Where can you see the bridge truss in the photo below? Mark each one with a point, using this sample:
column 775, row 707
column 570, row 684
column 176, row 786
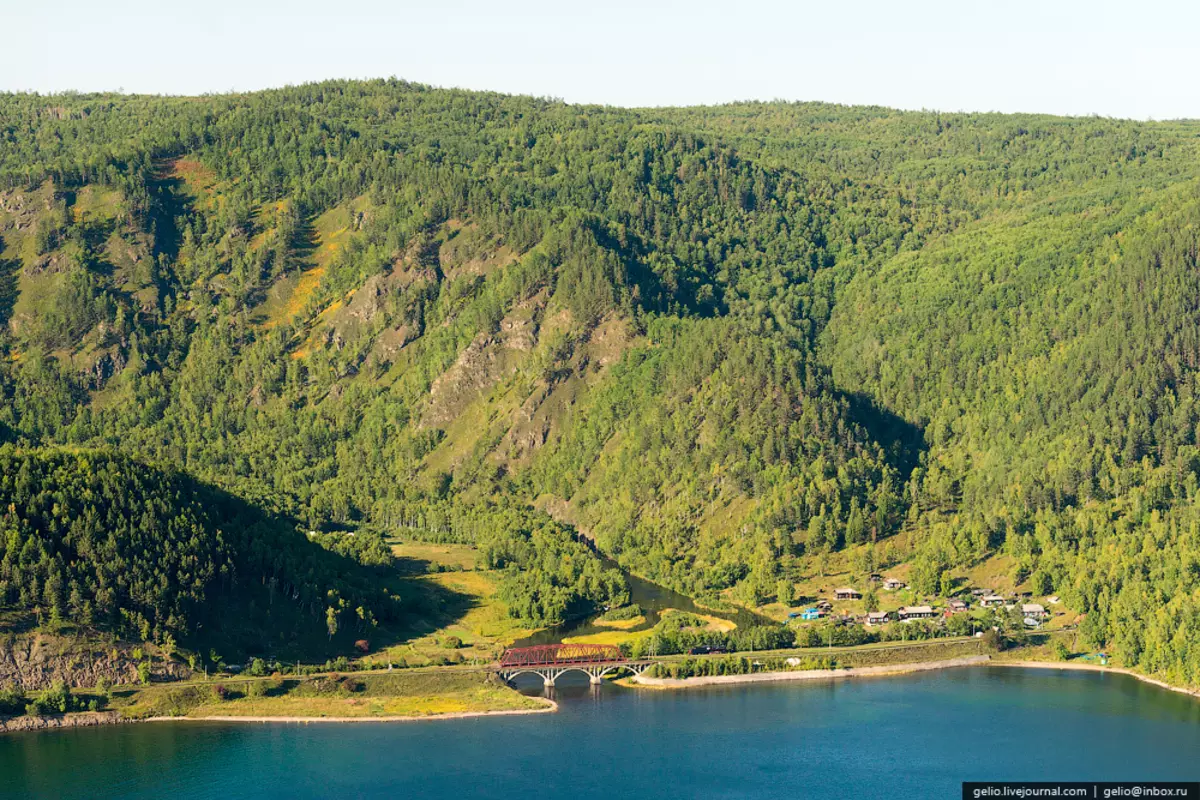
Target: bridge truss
column 550, row 661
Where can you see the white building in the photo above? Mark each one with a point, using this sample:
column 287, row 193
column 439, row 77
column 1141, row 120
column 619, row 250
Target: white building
column 1033, row 610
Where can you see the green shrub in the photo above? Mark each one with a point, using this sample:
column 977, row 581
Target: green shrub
column 12, row 701
column 175, row 702
column 994, row 640
column 56, row 700
column 631, row 611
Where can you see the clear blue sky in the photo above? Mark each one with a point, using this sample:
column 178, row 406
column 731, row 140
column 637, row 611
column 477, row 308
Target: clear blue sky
column 1126, row 59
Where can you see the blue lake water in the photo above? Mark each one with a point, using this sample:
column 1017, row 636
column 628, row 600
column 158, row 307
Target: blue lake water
column 916, row 736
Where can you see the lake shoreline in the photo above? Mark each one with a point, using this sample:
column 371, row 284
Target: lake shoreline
column 549, row 707
column 91, row 719
column 809, row 674
column 1066, row 665
column 643, row 681
column 80, row 719
column 757, row 733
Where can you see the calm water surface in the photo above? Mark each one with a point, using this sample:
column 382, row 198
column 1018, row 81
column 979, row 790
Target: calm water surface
column 916, row 736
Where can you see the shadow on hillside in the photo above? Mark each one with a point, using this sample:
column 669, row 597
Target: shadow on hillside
column 430, row 607
column 14, row 620
column 902, row 440
column 302, row 249
column 276, row 604
column 168, row 200
column 9, row 270
column 95, row 235
column 407, row 565
column 649, row 291
column 303, row 245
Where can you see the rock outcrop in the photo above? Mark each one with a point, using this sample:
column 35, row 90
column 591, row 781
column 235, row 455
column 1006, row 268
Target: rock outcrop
column 84, row 720
column 35, row 661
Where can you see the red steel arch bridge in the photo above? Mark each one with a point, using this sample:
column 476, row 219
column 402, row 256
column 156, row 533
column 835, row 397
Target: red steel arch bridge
column 549, row 661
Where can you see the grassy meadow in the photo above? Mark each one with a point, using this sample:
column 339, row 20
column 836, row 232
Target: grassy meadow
column 397, row 694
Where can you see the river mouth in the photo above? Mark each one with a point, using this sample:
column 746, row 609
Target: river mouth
column 654, row 600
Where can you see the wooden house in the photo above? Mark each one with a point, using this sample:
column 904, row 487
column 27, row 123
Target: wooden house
column 916, row 612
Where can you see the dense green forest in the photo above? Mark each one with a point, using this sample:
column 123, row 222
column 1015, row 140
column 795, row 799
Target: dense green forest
column 722, row 343
column 98, row 540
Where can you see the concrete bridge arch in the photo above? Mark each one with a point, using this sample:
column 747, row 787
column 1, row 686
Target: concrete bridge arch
column 550, row 662
column 550, row 674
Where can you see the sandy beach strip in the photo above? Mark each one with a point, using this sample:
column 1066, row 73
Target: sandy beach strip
column 895, row 669
column 549, row 707
column 812, row 674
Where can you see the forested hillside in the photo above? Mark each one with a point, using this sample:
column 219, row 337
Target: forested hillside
column 723, row 343
column 97, row 540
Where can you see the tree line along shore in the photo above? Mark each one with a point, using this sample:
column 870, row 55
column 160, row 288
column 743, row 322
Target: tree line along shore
column 463, row 691
column 750, row 352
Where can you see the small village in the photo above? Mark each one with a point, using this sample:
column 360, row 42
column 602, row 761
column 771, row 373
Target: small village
column 889, row 600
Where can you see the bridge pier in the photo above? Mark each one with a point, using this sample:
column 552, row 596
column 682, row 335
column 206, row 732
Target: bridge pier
column 596, row 674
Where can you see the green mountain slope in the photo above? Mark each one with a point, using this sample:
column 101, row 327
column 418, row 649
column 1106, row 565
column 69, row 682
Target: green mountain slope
column 99, row 540
column 730, row 345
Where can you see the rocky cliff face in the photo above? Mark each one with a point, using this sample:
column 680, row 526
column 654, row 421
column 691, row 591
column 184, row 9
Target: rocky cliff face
column 35, row 661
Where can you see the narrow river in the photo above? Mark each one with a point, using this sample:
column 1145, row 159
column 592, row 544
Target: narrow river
column 653, row 599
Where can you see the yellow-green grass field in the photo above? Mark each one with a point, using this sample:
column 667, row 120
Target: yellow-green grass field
column 331, row 231
column 609, row 637
column 488, row 617
column 399, row 694
column 468, row 623
column 621, row 632
column 718, row 624
column 454, row 556
column 621, row 624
